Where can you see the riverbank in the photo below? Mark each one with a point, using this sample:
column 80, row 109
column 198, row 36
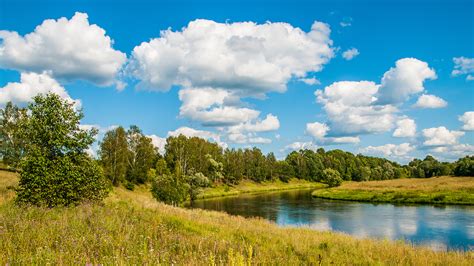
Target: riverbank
column 249, row 187
column 130, row 227
column 436, row 190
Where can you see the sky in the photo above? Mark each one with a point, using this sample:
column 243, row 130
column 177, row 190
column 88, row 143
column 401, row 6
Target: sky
column 383, row 78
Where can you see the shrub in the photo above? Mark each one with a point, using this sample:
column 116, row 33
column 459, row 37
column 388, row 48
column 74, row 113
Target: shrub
column 169, row 189
column 56, row 171
column 332, row 177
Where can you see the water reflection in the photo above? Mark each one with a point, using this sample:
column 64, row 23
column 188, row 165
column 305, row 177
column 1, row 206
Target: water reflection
column 440, row 227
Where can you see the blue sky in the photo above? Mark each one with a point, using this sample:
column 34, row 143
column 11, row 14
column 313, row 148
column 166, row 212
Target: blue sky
column 428, row 34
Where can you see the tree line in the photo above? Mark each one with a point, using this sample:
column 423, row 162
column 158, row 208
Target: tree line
column 47, row 145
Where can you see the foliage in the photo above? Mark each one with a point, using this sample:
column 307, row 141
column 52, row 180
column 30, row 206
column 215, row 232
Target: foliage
column 331, row 177
column 56, row 169
column 464, row 166
column 12, row 143
column 170, row 189
column 113, row 154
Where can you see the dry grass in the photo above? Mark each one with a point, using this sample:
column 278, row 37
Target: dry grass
column 132, row 228
column 8, row 181
column 439, row 190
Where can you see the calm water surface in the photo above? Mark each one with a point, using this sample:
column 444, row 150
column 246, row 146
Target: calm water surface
column 440, row 227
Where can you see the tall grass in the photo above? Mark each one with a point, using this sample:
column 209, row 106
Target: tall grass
column 435, row 190
column 130, row 227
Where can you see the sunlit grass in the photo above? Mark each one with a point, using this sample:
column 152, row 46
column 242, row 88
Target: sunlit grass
column 253, row 187
column 437, row 190
column 133, row 228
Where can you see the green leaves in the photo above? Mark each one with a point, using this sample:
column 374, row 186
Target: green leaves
column 56, row 171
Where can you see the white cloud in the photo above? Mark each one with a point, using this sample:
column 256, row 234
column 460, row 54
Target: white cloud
column 463, row 66
column 346, row 22
column 296, row 146
column 249, row 138
column 310, row 81
column 270, row 123
column 243, row 56
column 404, row 80
column 214, row 107
column 350, row 53
column 389, row 150
column 30, row 85
column 430, row 101
column 468, row 119
column 158, row 142
column 454, row 152
column 441, row 136
column 319, row 131
column 406, row 127
column 67, row 49
column 350, row 108
column 191, row 132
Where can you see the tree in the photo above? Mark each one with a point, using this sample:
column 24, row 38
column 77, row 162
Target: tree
column 169, row 189
column 464, row 166
column 113, row 155
column 196, row 182
column 12, row 144
column 332, row 177
column 56, row 169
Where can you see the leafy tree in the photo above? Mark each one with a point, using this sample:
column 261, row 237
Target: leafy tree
column 169, row 189
column 12, row 143
column 196, row 182
column 56, row 169
column 114, row 154
column 332, row 177
column 464, row 166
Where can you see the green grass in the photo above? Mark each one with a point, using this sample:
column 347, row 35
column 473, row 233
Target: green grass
column 436, row 190
column 245, row 187
column 130, row 227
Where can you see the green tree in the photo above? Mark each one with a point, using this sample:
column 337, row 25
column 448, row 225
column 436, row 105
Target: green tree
column 169, row 189
column 12, row 143
column 332, row 177
column 464, row 166
column 113, row 155
column 56, row 169
column 141, row 155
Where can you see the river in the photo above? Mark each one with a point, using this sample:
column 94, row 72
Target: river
column 439, row 227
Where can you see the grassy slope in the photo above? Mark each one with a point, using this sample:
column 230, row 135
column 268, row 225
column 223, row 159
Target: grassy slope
column 437, row 190
column 131, row 227
column 252, row 187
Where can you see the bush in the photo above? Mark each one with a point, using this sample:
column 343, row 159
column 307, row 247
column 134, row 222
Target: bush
column 169, row 189
column 332, row 177
column 56, row 171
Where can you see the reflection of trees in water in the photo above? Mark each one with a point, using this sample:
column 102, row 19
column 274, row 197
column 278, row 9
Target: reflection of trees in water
column 439, row 226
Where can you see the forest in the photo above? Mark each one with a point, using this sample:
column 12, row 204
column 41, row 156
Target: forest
column 46, row 140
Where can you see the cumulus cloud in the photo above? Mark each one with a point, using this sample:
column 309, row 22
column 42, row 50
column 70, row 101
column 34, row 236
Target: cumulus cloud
column 66, row 49
column 463, row 66
column 468, row 119
column 244, row 56
column 350, row 53
column 430, row 101
column 158, row 142
column 191, row 132
column 406, row 127
column 30, row 85
column 441, row 136
column 350, row 108
column 214, row 107
column 249, row 138
column 454, row 152
column 296, row 146
column 310, row 81
column 364, row 107
column 389, row 150
column 404, row 80
column 319, row 131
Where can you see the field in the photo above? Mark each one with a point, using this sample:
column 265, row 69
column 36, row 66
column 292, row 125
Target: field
column 436, row 190
column 252, row 187
column 130, row 227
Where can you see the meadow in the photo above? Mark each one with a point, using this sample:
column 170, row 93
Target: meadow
column 132, row 227
column 435, row 190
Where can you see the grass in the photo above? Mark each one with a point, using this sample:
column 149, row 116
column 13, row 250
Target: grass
column 130, row 227
column 245, row 187
column 436, row 190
